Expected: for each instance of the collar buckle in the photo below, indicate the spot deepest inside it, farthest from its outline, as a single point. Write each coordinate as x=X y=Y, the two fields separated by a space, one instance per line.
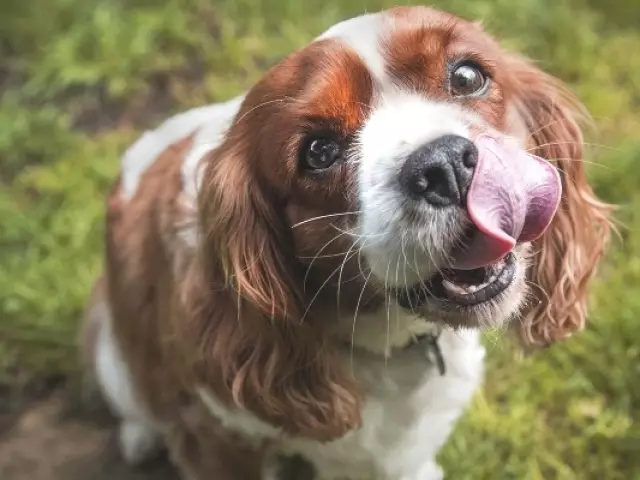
x=433 y=350
x=434 y=353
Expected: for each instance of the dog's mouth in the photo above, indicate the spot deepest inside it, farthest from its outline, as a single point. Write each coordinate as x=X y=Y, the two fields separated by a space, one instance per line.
x=462 y=288
x=508 y=203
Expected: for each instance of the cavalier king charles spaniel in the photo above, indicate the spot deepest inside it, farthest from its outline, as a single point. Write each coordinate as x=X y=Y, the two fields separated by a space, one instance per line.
x=296 y=279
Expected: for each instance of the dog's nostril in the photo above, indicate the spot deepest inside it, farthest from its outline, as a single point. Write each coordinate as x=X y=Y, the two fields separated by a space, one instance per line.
x=470 y=157
x=436 y=182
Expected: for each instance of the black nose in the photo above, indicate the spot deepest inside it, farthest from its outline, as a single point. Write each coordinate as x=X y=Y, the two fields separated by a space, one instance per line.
x=440 y=171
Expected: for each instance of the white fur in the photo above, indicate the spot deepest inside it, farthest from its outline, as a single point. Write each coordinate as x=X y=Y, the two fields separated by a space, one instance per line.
x=138 y=441
x=144 y=152
x=207 y=139
x=409 y=413
x=139 y=436
x=240 y=420
x=363 y=35
x=383 y=331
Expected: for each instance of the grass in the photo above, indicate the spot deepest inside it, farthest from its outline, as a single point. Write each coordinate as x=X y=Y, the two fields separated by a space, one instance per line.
x=80 y=78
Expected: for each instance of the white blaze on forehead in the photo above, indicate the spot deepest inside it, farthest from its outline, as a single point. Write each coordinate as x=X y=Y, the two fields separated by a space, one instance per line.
x=363 y=35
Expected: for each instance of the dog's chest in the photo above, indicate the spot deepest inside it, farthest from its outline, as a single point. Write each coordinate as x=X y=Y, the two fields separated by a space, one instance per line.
x=409 y=412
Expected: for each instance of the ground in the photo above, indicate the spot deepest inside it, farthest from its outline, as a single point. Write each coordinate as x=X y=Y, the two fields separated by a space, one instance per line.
x=80 y=79
x=49 y=440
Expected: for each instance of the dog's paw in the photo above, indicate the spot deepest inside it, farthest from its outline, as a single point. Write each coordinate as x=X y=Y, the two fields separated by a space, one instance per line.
x=138 y=442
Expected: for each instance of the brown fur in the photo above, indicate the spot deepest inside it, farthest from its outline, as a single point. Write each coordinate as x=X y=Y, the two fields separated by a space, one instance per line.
x=87 y=342
x=90 y=327
x=202 y=449
x=568 y=253
x=145 y=262
x=253 y=338
x=422 y=58
x=141 y=252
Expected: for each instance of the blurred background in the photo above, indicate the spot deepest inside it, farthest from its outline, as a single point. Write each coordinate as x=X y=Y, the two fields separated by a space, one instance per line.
x=79 y=79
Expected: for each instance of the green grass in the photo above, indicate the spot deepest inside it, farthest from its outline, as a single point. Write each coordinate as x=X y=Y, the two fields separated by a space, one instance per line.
x=79 y=79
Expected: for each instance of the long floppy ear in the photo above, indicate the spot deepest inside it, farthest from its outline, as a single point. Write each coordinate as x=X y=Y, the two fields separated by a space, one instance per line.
x=246 y=310
x=566 y=257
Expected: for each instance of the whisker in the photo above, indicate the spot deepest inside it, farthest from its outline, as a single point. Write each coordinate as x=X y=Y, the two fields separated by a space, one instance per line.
x=320 y=217
x=387 y=296
x=367 y=235
x=329 y=255
x=405 y=288
x=306 y=275
x=342 y=265
x=577 y=160
x=260 y=105
x=403 y=237
x=423 y=282
x=324 y=284
x=355 y=316
x=588 y=144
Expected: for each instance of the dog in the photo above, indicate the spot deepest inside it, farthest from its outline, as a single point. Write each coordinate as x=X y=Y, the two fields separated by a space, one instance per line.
x=296 y=280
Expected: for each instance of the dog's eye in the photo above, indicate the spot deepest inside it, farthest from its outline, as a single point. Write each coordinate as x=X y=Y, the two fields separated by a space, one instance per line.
x=321 y=153
x=467 y=80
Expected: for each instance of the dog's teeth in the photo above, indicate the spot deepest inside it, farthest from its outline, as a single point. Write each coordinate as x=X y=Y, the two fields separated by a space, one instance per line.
x=456 y=290
x=452 y=288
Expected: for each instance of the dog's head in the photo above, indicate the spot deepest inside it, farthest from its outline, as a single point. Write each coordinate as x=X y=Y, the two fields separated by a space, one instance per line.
x=403 y=154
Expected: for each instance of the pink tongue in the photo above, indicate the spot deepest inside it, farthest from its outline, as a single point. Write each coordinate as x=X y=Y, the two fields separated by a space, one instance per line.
x=512 y=199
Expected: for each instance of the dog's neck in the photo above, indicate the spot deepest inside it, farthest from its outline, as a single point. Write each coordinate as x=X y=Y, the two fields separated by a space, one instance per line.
x=385 y=331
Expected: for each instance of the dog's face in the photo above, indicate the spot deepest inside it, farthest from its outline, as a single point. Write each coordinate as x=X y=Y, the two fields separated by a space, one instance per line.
x=390 y=159
x=394 y=154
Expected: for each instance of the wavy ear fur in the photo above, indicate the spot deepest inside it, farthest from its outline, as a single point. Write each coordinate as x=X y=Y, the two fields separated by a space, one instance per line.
x=246 y=310
x=566 y=257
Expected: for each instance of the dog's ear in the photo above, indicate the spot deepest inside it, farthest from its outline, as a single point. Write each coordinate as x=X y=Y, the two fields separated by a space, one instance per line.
x=243 y=237
x=566 y=256
x=246 y=310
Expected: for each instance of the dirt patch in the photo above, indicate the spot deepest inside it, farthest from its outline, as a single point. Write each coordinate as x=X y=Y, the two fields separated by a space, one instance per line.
x=51 y=441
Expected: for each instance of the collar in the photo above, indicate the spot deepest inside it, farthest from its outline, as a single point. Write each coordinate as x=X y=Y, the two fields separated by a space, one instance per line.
x=429 y=339
x=432 y=349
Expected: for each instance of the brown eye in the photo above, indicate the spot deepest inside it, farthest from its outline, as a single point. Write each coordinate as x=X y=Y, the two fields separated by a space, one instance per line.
x=321 y=153
x=466 y=80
